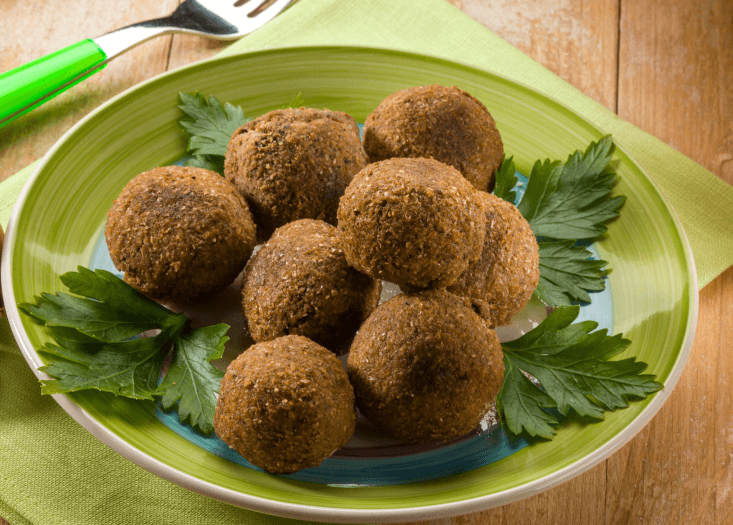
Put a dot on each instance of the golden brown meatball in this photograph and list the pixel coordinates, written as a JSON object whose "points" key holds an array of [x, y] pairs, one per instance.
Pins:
{"points": [[425, 367], [285, 405], [179, 233], [444, 123], [504, 278], [294, 164], [300, 283], [413, 222]]}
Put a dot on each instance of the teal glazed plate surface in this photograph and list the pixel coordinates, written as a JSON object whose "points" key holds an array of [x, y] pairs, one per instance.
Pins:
{"points": [[58, 222]]}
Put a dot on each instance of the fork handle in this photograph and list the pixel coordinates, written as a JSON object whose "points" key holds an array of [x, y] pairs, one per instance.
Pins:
{"points": [[32, 84]]}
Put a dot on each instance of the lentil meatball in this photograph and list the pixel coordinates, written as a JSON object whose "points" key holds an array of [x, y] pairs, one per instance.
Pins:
{"points": [[506, 274], [300, 283], [294, 164], [179, 233], [413, 222], [444, 123], [425, 367], [285, 405]]}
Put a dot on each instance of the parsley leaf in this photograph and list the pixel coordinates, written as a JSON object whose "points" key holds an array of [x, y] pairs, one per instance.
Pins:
{"points": [[567, 273], [191, 381], [110, 311], [522, 404], [128, 368], [213, 163], [571, 201], [576, 374], [94, 349], [211, 124], [506, 180]]}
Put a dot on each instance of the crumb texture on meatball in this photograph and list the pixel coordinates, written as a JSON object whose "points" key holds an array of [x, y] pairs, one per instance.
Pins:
{"points": [[285, 405], [413, 222], [444, 123], [425, 367], [179, 233], [294, 164], [300, 283], [501, 283]]}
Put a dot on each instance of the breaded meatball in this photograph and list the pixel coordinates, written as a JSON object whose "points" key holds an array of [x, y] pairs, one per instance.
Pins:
{"points": [[294, 164], [179, 233], [285, 405], [504, 278], [413, 222], [444, 123], [300, 283], [425, 367]]}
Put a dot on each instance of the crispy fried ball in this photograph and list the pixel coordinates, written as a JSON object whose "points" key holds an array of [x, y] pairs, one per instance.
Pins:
{"points": [[179, 233], [503, 279], [413, 222], [294, 164], [285, 405], [444, 123], [425, 367], [300, 283]]}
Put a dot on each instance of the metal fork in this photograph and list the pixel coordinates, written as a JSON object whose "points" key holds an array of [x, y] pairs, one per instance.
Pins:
{"points": [[27, 87]]}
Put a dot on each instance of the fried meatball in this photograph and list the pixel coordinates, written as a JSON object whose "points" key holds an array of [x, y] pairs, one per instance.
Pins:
{"points": [[294, 164], [413, 222], [425, 367], [506, 274], [285, 405], [444, 123], [300, 283], [179, 233]]}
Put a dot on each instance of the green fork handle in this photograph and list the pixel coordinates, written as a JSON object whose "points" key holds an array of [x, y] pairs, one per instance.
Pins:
{"points": [[30, 85]]}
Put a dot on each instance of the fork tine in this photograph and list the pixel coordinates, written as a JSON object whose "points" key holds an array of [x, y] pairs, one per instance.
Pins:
{"points": [[269, 12]]}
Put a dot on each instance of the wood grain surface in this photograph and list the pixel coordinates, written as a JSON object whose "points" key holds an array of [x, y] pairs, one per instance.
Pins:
{"points": [[664, 65]]}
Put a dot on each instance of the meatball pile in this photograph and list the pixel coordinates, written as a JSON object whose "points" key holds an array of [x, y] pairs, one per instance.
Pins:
{"points": [[336, 217]]}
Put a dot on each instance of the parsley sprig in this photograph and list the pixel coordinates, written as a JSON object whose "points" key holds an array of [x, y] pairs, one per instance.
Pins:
{"points": [[98, 346], [564, 204], [572, 362]]}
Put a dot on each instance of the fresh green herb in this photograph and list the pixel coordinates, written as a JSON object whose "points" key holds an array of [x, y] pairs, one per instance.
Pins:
{"points": [[567, 273], [214, 163], [572, 364], [94, 348], [127, 368], [191, 381], [211, 124], [571, 201], [564, 204], [506, 180]]}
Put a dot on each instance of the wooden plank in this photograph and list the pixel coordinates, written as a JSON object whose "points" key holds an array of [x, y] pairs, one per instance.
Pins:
{"points": [[575, 39], [676, 64]]}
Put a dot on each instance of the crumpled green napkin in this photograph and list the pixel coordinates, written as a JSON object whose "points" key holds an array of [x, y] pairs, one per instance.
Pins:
{"points": [[53, 472]]}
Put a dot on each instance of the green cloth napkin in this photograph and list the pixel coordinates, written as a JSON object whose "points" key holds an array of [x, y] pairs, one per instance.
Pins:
{"points": [[53, 471]]}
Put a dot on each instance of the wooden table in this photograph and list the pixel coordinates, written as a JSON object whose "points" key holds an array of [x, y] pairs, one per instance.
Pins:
{"points": [[664, 65]]}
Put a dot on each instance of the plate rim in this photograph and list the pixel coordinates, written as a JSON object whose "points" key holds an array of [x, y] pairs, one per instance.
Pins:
{"points": [[298, 510]]}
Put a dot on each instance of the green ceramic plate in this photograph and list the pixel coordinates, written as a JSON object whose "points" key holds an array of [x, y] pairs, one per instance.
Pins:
{"points": [[62, 210]]}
